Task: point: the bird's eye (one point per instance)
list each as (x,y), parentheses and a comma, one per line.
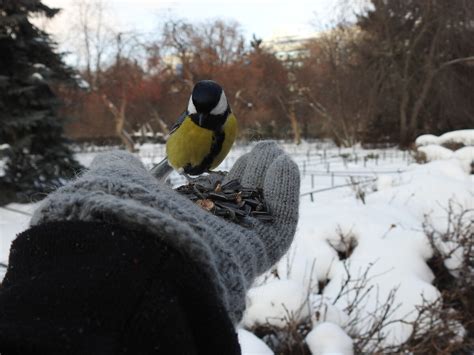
(221,106)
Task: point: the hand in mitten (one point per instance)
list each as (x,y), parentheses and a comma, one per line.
(119,190)
(269,168)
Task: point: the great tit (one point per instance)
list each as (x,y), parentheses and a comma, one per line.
(203,134)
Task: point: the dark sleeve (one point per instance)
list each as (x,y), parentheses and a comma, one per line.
(94,288)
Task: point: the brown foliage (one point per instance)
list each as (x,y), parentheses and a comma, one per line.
(90,119)
(334,89)
(404,68)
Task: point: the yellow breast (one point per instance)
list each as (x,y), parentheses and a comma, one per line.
(189,144)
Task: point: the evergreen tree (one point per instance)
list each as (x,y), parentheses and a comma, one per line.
(35,154)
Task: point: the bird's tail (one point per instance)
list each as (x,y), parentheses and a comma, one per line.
(162,170)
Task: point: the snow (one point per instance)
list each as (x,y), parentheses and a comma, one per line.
(84,85)
(384,238)
(435,152)
(322,310)
(37,77)
(328,338)
(464,136)
(384,182)
(376,242)
(277,303)
(39,66)
(465,155)
(251,345)
(81,83)
(426,139)
(426,190)
(432,147)
(391,248)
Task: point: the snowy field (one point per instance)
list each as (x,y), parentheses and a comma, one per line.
(360,250)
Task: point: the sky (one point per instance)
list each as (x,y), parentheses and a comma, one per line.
(265,18)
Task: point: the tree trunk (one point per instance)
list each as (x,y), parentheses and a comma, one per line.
(163,126)
(404,120)
(294,125)
(119,116)
(420,100)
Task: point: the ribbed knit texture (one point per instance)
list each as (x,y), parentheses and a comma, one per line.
(118,189)
(87,288)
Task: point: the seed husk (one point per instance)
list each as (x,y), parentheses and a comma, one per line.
(232,185)
(221,196)
(231,200)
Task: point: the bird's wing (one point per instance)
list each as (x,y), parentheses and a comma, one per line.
(179,122)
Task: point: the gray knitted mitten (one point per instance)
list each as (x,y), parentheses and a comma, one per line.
(118,189)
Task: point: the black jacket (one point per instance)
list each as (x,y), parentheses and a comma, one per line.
(94,288)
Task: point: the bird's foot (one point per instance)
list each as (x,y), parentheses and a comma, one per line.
(188,178)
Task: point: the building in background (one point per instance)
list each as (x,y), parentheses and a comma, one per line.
(290,48)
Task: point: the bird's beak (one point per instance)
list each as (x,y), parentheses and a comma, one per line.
(201,119)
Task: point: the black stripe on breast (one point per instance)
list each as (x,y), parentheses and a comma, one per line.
(211,122)
(216,147)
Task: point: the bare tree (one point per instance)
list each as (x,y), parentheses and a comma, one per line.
(91,35)
(332,88)
(411,44)
(110,60)
(201,49)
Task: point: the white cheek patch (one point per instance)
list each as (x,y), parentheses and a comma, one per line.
(191,107)
(221,106)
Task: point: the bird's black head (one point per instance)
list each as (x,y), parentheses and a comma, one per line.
(208,105)
(206,95)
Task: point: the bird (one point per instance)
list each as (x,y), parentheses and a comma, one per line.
(202,136)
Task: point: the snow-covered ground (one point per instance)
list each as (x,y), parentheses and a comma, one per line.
(361,215)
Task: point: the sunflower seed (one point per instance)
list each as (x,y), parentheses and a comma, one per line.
(231,201)
(206,204)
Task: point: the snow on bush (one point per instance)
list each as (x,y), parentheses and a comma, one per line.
(322,310)
(370,257)
(463,136)
(329,339)
(300,267)
(454,244)
(276,303)
(430,148)
(465,153)
(435,152)
(465,156)
(426,139)
(252,345)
